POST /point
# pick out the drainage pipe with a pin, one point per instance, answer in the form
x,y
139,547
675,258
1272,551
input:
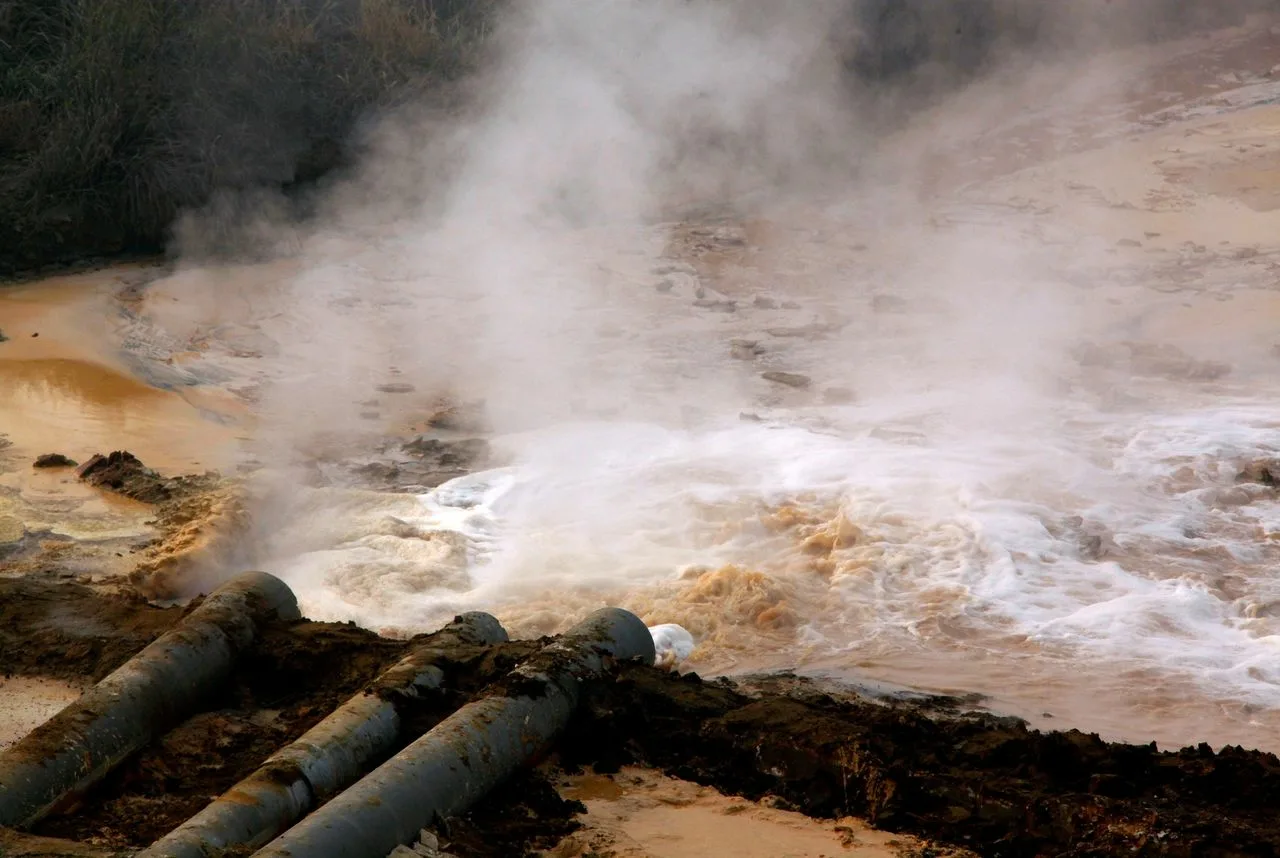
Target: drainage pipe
x,y
469,753
328,757
146,696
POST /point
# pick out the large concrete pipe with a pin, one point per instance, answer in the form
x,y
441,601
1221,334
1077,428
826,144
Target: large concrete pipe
x,y
328,757
469,753
146,696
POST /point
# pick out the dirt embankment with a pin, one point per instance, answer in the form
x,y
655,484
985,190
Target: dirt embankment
x,y
979,782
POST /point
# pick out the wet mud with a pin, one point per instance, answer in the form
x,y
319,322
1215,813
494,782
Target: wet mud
x,y
908,764
292,678
71,631
927,768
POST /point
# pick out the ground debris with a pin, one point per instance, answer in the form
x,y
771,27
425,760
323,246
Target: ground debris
x,y
123,473
984,783
53,460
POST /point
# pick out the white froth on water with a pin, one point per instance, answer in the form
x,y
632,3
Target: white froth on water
x,y
1112,539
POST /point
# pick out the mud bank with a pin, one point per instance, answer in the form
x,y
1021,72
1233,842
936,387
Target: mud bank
x,y
919,766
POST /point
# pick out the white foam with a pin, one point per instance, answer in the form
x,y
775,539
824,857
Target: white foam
x,y
621,508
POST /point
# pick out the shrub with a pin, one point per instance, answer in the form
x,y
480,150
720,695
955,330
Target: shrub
x,y
117,114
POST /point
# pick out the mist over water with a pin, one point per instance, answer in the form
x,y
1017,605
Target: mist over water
x,y
962,482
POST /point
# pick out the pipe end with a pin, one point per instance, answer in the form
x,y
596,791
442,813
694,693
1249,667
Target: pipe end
x,y
480,627
619,632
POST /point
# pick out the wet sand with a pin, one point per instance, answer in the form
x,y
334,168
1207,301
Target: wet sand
x,y
65,386
637,813
27,702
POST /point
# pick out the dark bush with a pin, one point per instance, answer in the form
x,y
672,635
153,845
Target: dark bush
x,y
117,114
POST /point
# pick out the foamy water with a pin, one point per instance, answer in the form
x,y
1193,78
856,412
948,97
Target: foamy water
x,y
1001,509
1118,543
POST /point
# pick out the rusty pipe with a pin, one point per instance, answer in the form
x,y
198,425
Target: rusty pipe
x,y
328,757
143,698
469,753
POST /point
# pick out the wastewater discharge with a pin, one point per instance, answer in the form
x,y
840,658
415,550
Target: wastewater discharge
x,y
846,421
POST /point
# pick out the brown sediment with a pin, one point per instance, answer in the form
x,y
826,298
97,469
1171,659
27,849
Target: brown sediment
x,y
26,702
71,388
69,631
978,781
638,813
121,472
201,527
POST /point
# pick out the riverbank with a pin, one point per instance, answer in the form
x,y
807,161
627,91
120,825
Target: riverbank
x,y
787,748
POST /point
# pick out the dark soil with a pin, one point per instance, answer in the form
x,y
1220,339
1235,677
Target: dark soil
x,y
293,677
67,631
524,816
914,765
53,460
122,473
972,780
422,463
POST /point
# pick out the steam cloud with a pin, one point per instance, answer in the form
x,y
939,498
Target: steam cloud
x,y
506,250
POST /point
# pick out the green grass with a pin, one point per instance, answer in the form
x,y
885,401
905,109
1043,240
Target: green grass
x,y
115,115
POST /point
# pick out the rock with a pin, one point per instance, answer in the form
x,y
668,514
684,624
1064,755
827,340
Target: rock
x,y
838,396
403,852
763,302
749,417
53,460
123,473
428,840
465,417
790,379
745,349
395,387
379,472
370,415
448,452
777,802
3,338
717,306
665,285
432,462
790,305
1275,71
1128,242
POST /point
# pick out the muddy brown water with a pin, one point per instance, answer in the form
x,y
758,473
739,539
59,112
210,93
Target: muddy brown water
x,y
64,387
